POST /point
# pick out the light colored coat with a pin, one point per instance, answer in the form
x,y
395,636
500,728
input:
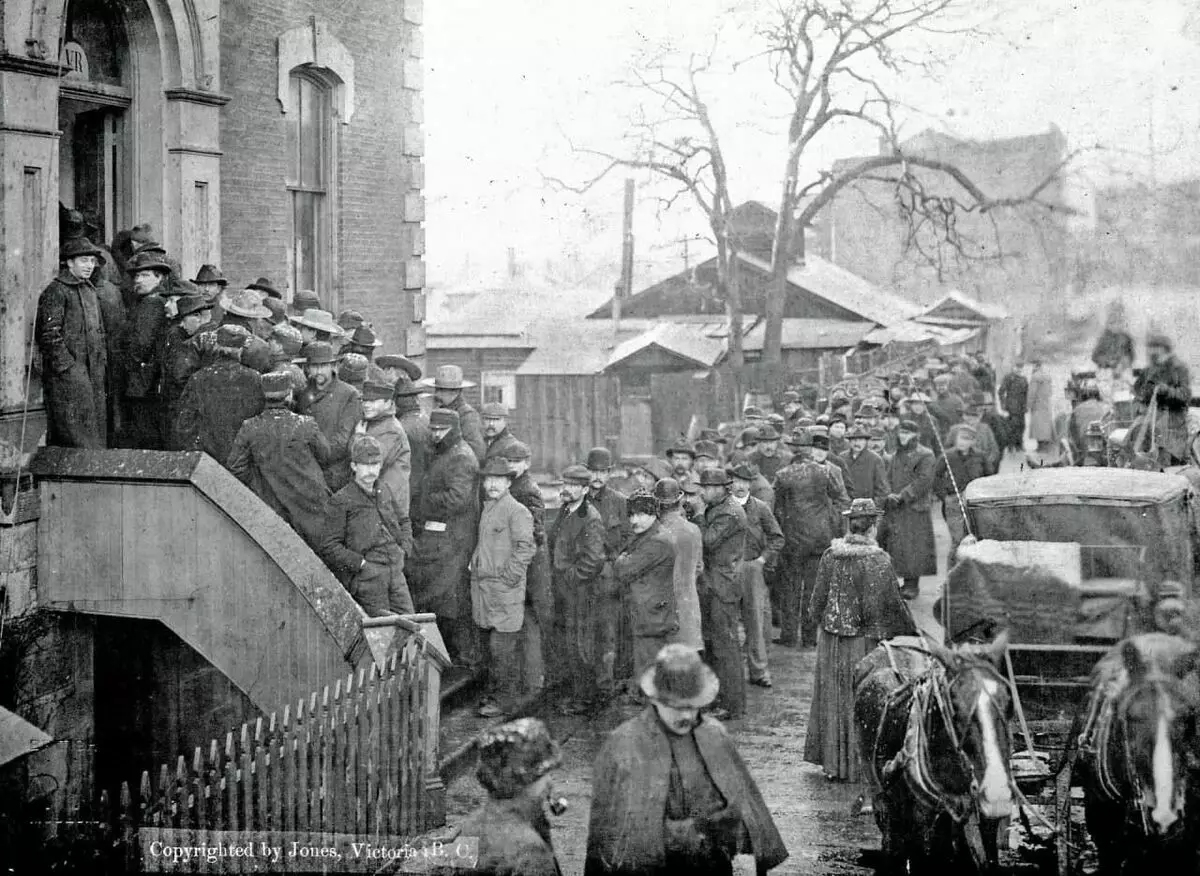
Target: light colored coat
x,y
1041,407
502,556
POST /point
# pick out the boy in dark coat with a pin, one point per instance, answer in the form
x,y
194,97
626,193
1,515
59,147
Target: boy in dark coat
x,y
69,332
278,455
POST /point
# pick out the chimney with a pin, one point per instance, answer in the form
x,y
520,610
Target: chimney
x,y
512,263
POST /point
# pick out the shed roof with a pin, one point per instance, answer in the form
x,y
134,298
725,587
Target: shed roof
x,y
811,334
913,332
1056,486
571,346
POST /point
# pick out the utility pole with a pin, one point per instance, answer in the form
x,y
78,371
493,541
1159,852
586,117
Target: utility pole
x,y
625,286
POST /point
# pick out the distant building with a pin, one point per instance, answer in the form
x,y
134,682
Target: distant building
x,y
1144,235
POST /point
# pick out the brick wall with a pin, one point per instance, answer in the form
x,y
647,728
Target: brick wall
x,y
378,205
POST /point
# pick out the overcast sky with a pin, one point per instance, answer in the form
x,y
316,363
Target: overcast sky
x,y
508,83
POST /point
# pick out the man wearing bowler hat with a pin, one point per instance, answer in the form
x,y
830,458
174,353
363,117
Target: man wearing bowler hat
x,y
671,794
219,398
909,524
689,561
768,456
336,406
379,421
447,523
723,534
576,560
645,569
495,429
612,608
180,358
447,384
278,454
864,470
365,536
69,332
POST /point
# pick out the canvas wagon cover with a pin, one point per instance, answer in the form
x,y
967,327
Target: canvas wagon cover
x,y
1092,507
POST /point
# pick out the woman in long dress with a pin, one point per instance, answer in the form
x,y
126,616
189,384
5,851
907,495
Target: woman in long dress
x,y
858,603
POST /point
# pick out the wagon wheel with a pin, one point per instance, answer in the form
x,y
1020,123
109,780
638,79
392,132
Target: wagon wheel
x,y
1069,837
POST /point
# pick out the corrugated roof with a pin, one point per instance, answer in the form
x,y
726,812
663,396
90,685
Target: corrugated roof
x,y
811,334
845,289
1056,486
690,341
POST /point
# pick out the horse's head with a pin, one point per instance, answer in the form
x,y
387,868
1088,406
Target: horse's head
x,y
1157,727
980,705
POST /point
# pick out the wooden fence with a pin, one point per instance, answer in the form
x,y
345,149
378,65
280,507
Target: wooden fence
x,y
350,764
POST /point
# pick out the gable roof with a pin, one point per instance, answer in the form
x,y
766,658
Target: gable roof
x,y
958,309
691,342
810,334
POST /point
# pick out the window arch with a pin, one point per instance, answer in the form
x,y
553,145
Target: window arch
x,y
311,178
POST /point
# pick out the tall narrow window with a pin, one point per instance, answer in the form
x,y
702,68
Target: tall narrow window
x,y
310,178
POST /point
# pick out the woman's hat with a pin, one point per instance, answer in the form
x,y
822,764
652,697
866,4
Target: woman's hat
x,y
514,756
262,284
210,274
318,320
79,246
863,508
680,679
245,303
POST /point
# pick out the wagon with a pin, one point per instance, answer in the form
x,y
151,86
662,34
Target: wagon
x,y
1070,561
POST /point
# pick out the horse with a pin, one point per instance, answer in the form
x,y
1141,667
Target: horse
x,y
1139,759
933,731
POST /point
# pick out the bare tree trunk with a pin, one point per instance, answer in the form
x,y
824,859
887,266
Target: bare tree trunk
x,y
731,292
781,257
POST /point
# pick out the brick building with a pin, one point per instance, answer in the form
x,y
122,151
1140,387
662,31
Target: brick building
x,y
276,138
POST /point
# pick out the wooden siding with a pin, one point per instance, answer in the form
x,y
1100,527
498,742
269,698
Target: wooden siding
x,y
176,538
561,417
476,361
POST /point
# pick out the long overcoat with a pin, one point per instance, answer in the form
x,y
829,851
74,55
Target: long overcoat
x,y
470,425
576,560
420,446
278,455
806,494
629,799
179,361
724,537
503,551
910,525
217,400
646,568
397,455
689,563
447,521
1172,382
865,476
366,526
337,409
538,594
1041,407
69,332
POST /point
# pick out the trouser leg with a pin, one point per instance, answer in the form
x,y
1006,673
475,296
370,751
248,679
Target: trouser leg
x,y
728,660
790,590
756,618
608,622
398,596
505,670
531,653
808,578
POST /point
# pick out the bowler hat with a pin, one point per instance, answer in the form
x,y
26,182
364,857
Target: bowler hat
x,y
146,261
149,246
443,418
400,363
668,492
246,303
641,502
276,385
576,474
365,450
406,388
262,284
767,433
599,459
908,426
377,389
680,679
447,377
515,755
79,246
495,466
744,471
493,411
516,451
318,320
210,274
748,437
753,412
708,448
862,508
713,435
689,485
682,447
363,336
318,353
189,304
715,477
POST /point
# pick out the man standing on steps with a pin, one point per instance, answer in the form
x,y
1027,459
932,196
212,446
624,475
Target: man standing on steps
x,y
448,385
612,607
724,534
379,421
336,406
909,524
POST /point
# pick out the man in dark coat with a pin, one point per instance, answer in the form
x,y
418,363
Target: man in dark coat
x,y
616,641
539,598
671,794
69,332
764,544
962,464
140,366
865,471
1166,379
365,536
806,495
219,398
768,456
645,570
278,455
379,421
723,534
416,427
446,522
1014,396
577,558
495,430
336,406
180,358
448,385
909,525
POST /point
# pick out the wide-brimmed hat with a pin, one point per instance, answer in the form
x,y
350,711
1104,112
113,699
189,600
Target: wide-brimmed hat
x,y
318,320
395,361
210,274
318,353
495,466
447,377
262,284
79,246
680,679
147,261
363,336
246,303
405,387
515,755
863,508
190,303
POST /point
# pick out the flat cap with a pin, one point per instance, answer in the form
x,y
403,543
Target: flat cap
x,y
576,474
493,410
365,450
442,418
